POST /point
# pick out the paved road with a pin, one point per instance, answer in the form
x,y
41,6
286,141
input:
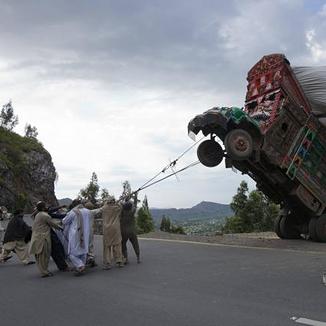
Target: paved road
x,y
176,284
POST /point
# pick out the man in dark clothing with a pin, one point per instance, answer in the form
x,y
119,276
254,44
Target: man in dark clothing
x,y
128,228
14,239
57,251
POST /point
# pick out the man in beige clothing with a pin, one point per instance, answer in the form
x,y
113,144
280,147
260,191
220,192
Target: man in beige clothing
x,y
111,212
41,239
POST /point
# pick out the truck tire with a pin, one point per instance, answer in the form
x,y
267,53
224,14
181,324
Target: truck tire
x,y
277,228
238,144
210,153
288,228
313,229
320,228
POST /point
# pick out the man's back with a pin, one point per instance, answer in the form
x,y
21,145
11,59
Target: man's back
x,y
128,220
17,229
111,223
41,224
77,229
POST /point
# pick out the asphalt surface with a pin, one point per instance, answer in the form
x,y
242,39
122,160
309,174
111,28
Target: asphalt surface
x,y
176,284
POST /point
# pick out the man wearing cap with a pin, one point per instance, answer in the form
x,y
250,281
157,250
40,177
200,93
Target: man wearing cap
x,y
14,239
41,239
111,234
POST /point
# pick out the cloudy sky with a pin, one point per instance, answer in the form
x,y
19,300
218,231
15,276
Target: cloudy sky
x,y
112,85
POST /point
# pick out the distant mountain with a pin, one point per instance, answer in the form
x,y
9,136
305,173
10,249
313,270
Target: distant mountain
x,y
203,210
65,201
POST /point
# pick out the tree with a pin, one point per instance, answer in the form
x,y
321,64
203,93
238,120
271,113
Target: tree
x,y
253,212
168,225
271,213
8,119
126,189
90,193
30,132
165,224
240,199
104,194
233,224
145,221
178,229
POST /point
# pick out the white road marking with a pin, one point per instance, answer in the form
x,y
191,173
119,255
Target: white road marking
x,y
306,321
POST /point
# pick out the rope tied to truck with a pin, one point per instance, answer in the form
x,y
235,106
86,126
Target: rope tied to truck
x,y
171,165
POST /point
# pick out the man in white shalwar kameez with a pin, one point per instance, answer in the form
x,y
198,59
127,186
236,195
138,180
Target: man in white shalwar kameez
x,y
77,232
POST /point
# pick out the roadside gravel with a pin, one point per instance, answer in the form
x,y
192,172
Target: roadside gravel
x,y
259,240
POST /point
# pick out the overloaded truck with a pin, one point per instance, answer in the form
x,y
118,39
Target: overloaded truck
x,y
278,139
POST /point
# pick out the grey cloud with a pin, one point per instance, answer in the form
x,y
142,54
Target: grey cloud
x,y
185,45
116,42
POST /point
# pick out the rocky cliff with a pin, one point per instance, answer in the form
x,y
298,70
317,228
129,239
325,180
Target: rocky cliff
x,y
27,173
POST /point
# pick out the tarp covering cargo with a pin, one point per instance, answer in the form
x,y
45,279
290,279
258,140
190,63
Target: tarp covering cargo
x,y
313,83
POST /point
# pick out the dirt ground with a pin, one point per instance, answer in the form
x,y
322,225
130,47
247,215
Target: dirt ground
x,y
259,240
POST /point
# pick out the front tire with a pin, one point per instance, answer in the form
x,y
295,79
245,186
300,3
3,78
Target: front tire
x,y
238,144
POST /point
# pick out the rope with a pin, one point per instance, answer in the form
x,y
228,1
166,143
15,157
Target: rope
x,y
171,164
149,183
168,176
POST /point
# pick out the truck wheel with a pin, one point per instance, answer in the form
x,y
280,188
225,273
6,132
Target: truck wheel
x,y
210,153
238,144
277,228
288,228
313,229
320,228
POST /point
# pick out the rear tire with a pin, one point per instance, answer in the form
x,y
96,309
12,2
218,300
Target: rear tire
x,y
288,227
320,228
277,228
312,229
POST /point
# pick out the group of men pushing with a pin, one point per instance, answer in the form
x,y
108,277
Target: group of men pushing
x,y
70,236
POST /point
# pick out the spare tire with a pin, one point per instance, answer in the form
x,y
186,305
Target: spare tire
x,y
238,144
210,153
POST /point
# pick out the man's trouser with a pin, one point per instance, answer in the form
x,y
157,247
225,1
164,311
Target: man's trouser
x,y
57,252
78,261
132,237
112,253
21,249
91,254
43,258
